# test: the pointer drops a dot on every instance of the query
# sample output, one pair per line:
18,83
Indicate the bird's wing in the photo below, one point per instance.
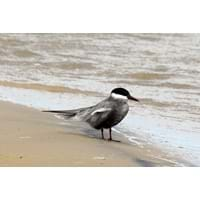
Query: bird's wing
99,116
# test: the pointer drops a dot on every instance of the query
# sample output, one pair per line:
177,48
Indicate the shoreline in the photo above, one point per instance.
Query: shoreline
29,137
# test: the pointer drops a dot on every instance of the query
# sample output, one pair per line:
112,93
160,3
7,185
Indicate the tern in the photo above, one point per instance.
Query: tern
103,115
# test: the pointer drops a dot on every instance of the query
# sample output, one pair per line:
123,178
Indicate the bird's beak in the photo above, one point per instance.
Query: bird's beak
132,98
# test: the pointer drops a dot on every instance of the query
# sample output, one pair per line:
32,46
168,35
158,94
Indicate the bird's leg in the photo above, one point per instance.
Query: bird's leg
110,134
110,138
102,136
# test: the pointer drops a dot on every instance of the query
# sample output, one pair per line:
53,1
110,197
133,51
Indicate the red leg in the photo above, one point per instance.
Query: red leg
102,136
110,133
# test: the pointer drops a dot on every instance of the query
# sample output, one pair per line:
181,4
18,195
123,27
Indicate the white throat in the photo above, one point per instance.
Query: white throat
118,96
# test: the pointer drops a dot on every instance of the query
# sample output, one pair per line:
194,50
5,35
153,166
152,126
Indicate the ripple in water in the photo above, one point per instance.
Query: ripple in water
75,70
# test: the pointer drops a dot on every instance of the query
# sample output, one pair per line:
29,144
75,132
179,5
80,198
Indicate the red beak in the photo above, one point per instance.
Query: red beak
132,98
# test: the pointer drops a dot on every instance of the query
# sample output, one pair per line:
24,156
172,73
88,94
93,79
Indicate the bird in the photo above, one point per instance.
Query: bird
103,115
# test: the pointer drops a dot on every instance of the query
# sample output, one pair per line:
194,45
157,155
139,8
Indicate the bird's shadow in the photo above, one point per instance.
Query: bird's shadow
145,163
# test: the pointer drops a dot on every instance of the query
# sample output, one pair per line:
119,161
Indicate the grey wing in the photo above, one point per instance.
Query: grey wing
99,117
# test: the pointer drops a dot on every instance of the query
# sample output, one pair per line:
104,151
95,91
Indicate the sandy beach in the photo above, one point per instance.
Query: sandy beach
29,137
66,71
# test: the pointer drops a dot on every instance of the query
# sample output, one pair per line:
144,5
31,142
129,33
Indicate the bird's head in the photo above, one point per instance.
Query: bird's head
121,93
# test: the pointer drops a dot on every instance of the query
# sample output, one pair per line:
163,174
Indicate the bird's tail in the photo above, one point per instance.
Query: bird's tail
65,113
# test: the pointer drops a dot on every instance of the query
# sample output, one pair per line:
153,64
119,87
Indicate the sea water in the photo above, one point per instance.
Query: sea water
66,71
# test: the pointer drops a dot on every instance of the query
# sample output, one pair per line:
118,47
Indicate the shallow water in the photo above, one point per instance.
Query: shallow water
56,71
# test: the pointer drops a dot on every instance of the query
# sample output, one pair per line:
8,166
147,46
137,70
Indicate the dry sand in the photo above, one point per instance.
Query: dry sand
29,137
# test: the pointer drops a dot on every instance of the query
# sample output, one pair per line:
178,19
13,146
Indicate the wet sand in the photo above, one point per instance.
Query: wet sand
29,137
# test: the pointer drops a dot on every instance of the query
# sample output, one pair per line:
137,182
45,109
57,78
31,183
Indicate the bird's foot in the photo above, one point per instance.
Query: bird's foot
110,139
